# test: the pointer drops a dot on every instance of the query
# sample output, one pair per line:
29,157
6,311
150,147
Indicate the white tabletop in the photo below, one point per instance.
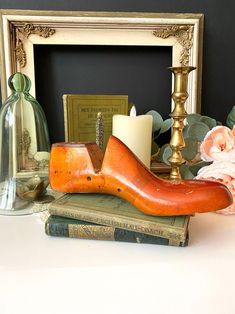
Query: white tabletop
47,275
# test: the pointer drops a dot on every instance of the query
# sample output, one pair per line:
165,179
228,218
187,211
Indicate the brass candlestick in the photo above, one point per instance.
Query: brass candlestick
179,113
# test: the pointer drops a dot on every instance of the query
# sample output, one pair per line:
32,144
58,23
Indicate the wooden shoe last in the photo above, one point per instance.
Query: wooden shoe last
81,167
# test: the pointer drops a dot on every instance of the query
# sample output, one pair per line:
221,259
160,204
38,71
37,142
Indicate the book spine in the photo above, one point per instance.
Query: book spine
118,222
83,230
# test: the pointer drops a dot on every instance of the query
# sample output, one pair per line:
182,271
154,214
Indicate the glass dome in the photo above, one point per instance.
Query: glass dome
24,150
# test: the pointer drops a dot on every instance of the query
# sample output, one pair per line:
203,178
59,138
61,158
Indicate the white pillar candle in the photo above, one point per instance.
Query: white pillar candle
136,133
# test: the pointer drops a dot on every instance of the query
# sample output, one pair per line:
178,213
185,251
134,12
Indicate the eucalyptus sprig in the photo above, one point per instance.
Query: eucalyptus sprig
160,126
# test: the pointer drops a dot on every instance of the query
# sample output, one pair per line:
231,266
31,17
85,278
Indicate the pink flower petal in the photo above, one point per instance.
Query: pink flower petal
219,142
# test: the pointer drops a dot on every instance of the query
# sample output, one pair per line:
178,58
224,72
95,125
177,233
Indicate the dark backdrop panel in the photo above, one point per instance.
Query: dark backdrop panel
139,72
218,95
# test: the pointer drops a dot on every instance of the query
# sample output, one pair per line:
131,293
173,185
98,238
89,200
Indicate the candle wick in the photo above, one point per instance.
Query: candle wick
133,111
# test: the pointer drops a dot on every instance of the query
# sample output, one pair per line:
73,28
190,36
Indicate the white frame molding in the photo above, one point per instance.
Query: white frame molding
21,30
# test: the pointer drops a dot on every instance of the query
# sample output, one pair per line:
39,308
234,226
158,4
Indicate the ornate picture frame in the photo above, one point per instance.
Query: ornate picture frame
21,30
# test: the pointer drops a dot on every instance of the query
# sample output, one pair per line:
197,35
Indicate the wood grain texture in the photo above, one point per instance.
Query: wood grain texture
79,168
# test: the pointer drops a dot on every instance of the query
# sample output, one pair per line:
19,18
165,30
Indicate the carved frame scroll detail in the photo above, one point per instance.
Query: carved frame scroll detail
183,34
26,31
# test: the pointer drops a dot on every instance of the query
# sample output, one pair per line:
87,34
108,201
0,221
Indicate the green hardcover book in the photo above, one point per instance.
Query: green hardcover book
109,210
80,115
66,227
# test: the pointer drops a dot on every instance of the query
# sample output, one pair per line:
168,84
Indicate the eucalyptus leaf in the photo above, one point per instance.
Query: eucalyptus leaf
155,134
230,121
198,131
191,148
192,118
157,120
196,167
210,122
186,173
165,153
166,125
185,131
154,148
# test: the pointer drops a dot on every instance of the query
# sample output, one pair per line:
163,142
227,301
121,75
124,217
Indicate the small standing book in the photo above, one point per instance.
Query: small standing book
72,228
80,115
112,211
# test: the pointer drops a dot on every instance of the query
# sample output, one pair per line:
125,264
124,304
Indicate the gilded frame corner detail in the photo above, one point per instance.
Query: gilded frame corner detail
40,30
183,34
26,30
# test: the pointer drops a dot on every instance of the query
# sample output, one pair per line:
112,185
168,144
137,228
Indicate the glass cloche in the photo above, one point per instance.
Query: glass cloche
24,150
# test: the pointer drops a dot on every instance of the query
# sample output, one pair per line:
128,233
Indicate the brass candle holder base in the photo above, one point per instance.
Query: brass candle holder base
178,115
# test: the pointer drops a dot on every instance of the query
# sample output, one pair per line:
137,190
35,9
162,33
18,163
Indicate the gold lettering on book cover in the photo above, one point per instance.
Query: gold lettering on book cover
115,223
91,232
183,34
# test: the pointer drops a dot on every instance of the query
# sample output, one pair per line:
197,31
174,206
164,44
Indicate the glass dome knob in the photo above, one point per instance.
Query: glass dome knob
19,82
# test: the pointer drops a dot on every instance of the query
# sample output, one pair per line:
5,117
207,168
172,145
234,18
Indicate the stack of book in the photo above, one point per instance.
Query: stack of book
107,217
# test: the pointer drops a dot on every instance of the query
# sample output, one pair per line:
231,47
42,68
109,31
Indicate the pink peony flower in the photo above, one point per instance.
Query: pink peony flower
223,172
219,144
